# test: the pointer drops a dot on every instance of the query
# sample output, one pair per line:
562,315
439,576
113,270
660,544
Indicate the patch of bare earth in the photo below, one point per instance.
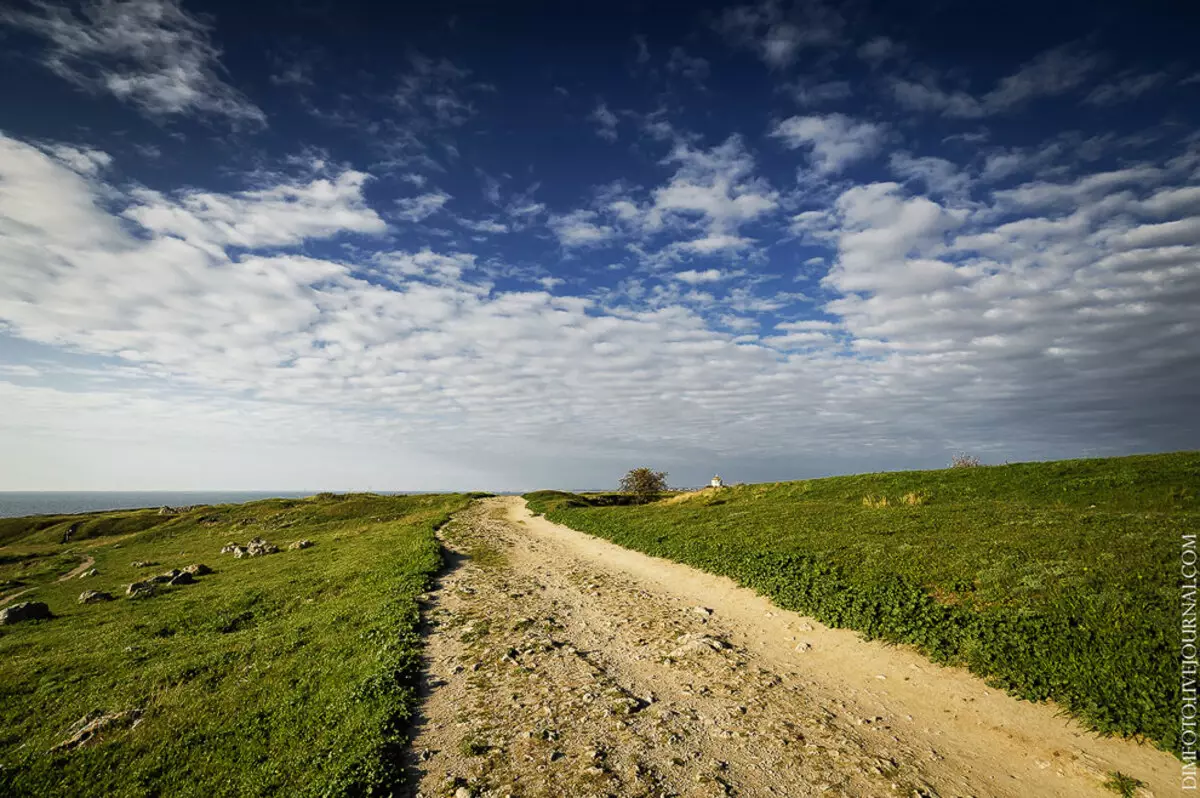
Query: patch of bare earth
562,665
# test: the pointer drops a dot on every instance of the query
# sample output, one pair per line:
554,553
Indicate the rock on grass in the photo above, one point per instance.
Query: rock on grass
25,611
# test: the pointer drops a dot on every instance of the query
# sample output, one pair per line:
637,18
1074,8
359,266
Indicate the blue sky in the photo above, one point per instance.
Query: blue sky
357,245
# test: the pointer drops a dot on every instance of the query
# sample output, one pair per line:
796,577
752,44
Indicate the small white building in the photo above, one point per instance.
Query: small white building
716,482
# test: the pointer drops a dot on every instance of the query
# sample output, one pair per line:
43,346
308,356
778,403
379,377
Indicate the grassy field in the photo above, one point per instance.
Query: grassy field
286,674
1055,580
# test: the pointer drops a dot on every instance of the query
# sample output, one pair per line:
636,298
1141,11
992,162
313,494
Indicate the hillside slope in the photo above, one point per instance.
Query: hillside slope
1055,580
289,673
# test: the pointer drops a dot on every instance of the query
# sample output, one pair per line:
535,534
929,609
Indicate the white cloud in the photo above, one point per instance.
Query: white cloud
778,37
432,99
86,161
793,341
836,140
880,49
150,53
693,277
1042,193
414,209
1173,201
926,95
432,89
579,229
483,226
1129,85
711,195
1002,163
879,229
807,325
938,175
1050,74
807,93
702,206
606,122
716,184
276,217
1053,73
1181,232
693,68
713,243
425,264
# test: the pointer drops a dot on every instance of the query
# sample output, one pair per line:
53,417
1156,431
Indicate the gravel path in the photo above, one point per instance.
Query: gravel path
562,665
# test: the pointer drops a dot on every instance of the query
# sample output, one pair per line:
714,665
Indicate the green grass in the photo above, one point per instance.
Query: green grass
289,674
1053,580
1122,785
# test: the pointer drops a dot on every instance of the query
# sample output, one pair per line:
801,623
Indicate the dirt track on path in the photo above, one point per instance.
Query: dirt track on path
562,665
87,563
76,571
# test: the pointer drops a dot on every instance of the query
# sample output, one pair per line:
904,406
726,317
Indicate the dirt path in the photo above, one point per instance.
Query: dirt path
87,563
562,665
13,596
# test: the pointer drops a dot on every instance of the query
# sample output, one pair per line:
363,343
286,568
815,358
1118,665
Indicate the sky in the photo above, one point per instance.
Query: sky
305,244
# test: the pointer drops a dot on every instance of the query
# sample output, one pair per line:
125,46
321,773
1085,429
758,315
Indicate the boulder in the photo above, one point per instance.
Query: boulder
144,564
183,578
163,579
258,547
94,597
88,572
300,544
255,548
140,590
197,569
25,611
164,510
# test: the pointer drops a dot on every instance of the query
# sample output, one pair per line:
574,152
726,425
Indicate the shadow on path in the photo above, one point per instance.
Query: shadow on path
410,765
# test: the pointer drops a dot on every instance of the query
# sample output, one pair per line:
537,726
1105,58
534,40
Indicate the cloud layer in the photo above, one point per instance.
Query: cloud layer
437,278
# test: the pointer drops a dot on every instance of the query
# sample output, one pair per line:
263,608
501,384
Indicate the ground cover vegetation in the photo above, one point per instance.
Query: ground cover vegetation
1054,580
291,673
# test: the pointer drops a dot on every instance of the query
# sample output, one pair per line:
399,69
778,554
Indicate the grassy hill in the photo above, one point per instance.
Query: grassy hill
1054,580
289,674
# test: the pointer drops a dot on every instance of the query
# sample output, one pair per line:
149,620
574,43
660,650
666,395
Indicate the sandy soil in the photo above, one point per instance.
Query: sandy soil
562,665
